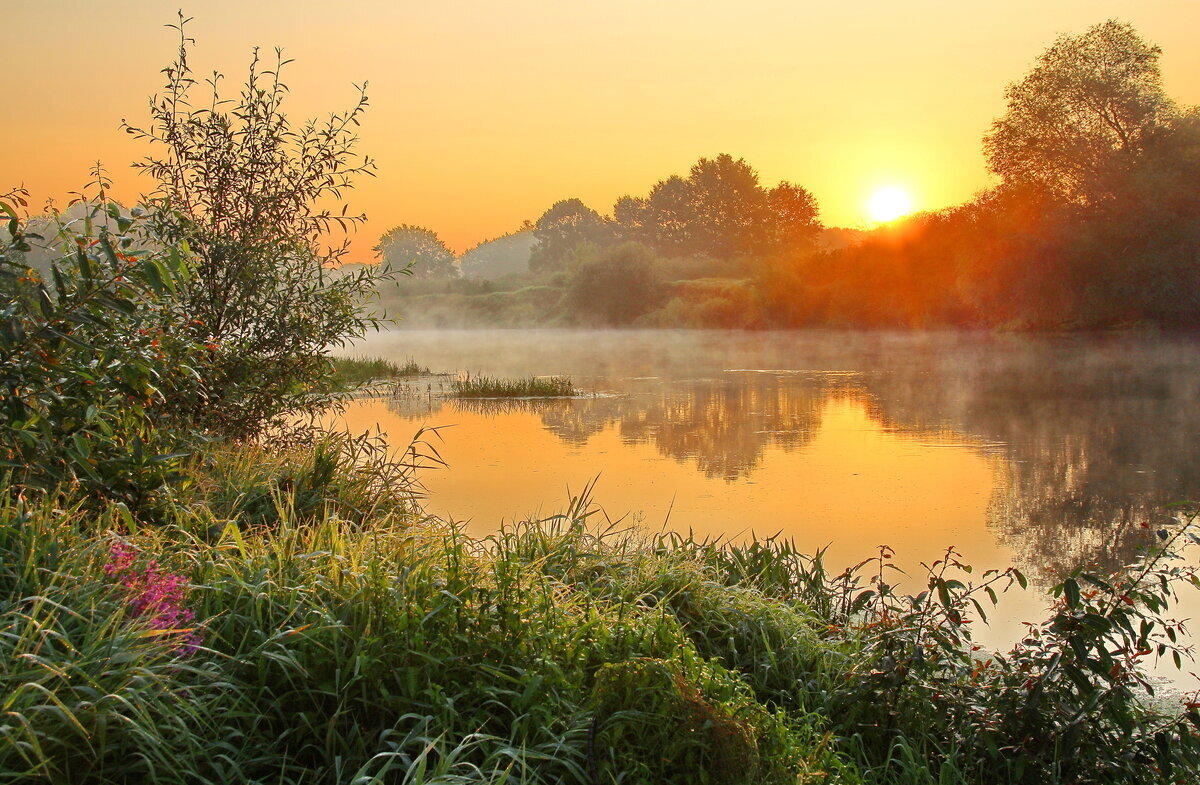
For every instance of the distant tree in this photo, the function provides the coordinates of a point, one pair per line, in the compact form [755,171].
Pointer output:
[505,255]
[729,208]
[668,217]
[615,287]
[403,245]
[566,224]
[794,223]
[719,210]
[1079,117]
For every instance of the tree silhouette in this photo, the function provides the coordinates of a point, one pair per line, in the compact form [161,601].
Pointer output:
[1081,115]
[403,245]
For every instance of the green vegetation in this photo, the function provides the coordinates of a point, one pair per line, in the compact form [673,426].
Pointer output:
[326,633]
[349,372]
[192,589]
[533,387]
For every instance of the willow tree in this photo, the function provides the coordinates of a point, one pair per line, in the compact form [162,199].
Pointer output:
[249,193]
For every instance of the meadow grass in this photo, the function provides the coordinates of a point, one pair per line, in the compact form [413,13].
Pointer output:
[346,637]
[532,387]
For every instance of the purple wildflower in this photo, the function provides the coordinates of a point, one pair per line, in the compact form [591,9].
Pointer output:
[154,597]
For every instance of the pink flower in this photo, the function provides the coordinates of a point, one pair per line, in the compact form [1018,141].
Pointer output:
[154,597]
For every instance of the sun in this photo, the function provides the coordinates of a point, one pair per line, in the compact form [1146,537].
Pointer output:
[889,203]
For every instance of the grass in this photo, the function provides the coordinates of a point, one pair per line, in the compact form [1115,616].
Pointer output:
[356,371]
[346,637]
[532,387]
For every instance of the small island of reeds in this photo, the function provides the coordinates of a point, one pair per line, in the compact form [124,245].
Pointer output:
[531,387]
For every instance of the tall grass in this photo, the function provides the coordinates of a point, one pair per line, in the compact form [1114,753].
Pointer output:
[532,387]
[345,641]
[356,371]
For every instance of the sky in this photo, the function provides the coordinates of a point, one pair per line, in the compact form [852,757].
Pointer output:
[483,114]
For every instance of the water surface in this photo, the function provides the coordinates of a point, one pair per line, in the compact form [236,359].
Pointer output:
[1044,452]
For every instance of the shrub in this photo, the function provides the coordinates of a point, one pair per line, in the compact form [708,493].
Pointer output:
[97,370]
[240,185]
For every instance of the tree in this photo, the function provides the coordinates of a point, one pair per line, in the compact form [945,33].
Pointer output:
[793,221]
[238,186]
[566,224]
[405,245]
[719,210]
[616,286]
[1081,115]
[728,207]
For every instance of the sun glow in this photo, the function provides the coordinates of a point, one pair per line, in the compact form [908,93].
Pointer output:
[889,203]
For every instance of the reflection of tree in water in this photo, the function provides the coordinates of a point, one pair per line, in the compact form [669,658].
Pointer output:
[722,424]
[1093,435]
[1097,441]
[725,426]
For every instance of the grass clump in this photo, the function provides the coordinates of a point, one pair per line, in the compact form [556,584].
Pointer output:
[532,387]
[351,372]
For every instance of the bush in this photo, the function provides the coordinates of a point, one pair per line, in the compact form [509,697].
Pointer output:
[240,186]
[98,375]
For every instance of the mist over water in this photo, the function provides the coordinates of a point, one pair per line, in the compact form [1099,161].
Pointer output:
[1044,452]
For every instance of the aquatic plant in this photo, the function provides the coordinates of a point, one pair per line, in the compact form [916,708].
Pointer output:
[532,387]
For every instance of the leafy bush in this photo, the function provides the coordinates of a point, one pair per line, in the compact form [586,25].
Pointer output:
[240,185]
[97,370]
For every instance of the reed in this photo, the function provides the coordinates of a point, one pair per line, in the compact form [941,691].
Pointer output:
[356,371]
[328,639]
[532,387]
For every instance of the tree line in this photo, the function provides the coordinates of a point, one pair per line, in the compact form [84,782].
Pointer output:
[1094,222]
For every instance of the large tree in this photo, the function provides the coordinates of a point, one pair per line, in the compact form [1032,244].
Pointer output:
[405,245]
[1082,115]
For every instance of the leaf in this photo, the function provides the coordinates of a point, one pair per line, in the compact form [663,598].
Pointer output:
[1071,592]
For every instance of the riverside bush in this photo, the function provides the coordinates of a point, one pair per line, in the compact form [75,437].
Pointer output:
[246,190]
[97,371]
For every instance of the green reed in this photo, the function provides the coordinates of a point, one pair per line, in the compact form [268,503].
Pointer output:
[356,371]
[344,641]
[532,387]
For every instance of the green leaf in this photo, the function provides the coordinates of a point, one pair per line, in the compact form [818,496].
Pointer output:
[1071,592]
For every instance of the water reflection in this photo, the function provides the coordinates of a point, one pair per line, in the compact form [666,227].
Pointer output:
[1087,438]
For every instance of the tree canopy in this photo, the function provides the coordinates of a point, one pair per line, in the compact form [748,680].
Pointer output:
[406,245]
[1079,117]
[719,210]
[566,224]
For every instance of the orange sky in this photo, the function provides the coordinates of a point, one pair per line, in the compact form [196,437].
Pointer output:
[485,113]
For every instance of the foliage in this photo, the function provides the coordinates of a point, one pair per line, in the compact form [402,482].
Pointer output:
[1081,114]
[503,256]
[243,187]
[351,372]
[566,224]
[720,210]
[416,250]
[373,645]
[98,376]
[614,287]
